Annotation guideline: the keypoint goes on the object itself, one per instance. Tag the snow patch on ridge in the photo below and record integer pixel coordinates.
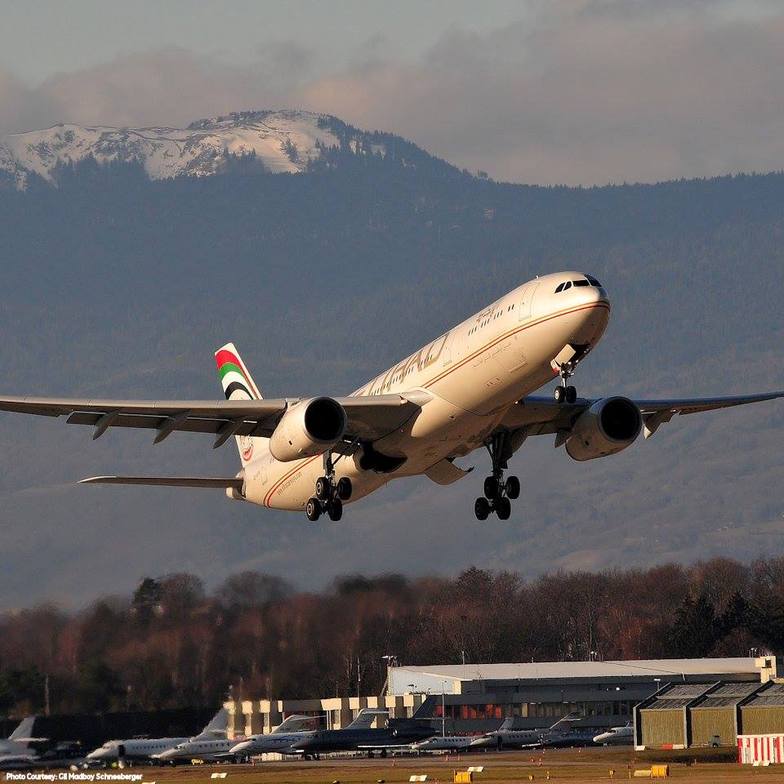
(282, 141)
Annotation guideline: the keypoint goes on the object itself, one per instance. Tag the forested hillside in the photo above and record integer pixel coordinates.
(115, 285)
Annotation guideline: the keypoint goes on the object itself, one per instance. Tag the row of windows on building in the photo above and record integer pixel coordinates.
(543, 710)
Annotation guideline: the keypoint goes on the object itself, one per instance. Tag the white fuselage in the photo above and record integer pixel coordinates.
(133, 749)
(274, 742)
(471, 374)
(616, 736)
(205, 749)
(444, 743)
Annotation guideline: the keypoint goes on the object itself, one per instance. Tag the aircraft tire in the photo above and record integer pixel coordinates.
(344, 489)
(571, 395)
(559, 394)
(503, 508)
(491, 488)
(335, 510)
(512, 487)
(322, 488)
(313, 509)
(481, 508)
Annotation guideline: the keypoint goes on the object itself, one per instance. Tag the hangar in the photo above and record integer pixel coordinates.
(683, 715)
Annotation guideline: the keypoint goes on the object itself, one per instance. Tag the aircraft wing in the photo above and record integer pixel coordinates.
(369, 418)
(539, 415)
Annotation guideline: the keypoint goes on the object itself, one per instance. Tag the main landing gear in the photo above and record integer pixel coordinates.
(330, 495)
(498, 492)
(565, 393)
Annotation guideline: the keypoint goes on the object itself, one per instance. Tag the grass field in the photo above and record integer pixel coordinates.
(572, 765)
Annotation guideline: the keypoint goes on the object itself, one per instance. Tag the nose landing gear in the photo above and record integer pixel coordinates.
(498, 492)
(330, 495)
(565, 393)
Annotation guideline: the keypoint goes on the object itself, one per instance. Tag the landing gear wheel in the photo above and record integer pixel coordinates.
(481, 508)
(344, 489)
(571, 395)
(491, 488)
(512, 487)
(313, 509)
(503, 508)
(323, 488)
(559, 393)
(335, 510)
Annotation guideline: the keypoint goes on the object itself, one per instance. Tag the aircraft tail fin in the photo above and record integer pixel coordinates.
(565, 724)
(366, 717)
(238, 384)
(24, 730)
(218, 725)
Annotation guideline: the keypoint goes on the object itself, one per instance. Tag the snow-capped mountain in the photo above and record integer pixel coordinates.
(282, 141)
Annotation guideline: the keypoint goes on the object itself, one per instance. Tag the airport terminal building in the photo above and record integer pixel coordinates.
(471, 698)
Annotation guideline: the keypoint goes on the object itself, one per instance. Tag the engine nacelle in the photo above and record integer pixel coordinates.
(607, 427)
(308, 428)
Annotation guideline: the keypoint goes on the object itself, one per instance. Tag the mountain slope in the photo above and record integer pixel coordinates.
(280, 141)
(118, 285)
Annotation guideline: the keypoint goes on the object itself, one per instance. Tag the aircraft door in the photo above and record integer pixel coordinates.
(525, 306)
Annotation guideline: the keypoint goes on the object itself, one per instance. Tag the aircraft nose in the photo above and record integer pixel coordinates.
(241, 747)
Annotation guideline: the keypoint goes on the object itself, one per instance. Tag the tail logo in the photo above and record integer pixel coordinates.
(233, 375)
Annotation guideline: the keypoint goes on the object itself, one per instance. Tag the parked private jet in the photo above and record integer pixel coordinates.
(470, 388)
(147, 749)
(506, 737)
(20, 749)
(616, 736)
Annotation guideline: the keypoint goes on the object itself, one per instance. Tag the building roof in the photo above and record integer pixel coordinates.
(772, 696)
(669, 669)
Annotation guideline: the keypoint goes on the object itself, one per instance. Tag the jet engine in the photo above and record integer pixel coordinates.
(308, 428)
(607, 427)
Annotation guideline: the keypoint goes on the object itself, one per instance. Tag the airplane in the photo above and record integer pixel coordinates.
(470, 388)
(506, 737)
(616, 736)
(286, 735)
(444, 743)
(221, 749)
(147, 749)
(298, 742)
(19, 750)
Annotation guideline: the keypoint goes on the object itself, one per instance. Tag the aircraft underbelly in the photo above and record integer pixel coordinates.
(474, 388)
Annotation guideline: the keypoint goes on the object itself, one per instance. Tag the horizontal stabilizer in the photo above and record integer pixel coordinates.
(167, 481)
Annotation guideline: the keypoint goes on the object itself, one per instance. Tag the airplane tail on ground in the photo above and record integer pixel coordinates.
(366, 717)
(217, 727)
(24, 730)
(565, 724)
(238, 384)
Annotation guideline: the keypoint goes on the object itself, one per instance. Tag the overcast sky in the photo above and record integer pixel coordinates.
(545, 91)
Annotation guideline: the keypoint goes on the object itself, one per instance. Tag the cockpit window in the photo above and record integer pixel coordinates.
(560, 288)
(581, 282)
(567, 285)
(593, 281)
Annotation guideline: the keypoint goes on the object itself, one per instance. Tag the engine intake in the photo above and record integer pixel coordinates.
(607, 427)
(308, 428)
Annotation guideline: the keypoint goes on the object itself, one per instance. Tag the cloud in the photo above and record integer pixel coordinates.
(579, 93)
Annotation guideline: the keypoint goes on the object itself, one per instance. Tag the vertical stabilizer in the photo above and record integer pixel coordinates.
(24, 730)
(218, 725)
(238, 384)
(366, 717)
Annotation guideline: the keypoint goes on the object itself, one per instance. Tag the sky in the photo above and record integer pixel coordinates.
(541, 91)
